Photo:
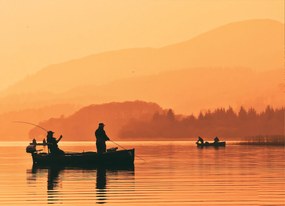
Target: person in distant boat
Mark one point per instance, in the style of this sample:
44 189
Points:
200 140
34 141
52 143
101 139
216 140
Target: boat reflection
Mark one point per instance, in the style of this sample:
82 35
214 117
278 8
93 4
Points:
57 176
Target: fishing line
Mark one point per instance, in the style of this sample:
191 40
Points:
31 124
126 149
47 131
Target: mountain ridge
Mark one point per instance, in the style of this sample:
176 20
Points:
246 43
196 89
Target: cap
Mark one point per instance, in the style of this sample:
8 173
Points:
101 124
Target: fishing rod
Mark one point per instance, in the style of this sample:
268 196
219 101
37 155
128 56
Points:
126 149
31 124
47 131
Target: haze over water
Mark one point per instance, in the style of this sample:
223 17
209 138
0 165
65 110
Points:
173 173
148 70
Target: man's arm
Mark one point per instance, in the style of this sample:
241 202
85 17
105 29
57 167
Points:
59 139
106 137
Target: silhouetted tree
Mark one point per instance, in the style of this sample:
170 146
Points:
220 122
170 115
242 114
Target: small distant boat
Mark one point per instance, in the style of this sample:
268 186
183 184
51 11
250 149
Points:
213 144
110 158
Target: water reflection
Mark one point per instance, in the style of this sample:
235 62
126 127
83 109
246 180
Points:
53 178
58 176
174 173
101 181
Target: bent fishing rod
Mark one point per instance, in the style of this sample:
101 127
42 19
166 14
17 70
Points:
31 124
47 131
126 149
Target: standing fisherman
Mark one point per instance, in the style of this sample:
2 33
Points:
101 139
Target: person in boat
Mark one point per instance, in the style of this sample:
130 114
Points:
34 141
101 139
216 140
52 143
200 140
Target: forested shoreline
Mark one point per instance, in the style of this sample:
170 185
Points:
221 122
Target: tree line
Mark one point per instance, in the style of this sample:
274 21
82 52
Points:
225 123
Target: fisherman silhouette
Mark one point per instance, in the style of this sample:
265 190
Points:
216 140
101 139
200 140
34 141
52 144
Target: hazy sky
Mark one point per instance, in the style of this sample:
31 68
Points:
36 33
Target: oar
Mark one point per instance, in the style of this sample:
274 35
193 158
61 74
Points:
126 149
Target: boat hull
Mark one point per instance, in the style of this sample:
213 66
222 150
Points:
214 144
92 159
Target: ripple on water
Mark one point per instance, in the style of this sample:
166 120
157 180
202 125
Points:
175 174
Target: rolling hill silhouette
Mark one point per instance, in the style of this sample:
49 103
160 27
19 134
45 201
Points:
140 120
192 90
238 64
256 44
186 91
82 124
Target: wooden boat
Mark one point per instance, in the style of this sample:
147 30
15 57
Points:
212 144
110 158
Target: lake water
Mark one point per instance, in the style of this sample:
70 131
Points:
172 173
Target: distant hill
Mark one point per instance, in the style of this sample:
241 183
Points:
256 44
140 120
82 124
239 64
186 91
191 90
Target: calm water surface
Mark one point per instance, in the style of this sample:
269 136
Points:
173 173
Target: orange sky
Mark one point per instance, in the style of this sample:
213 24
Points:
36 33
